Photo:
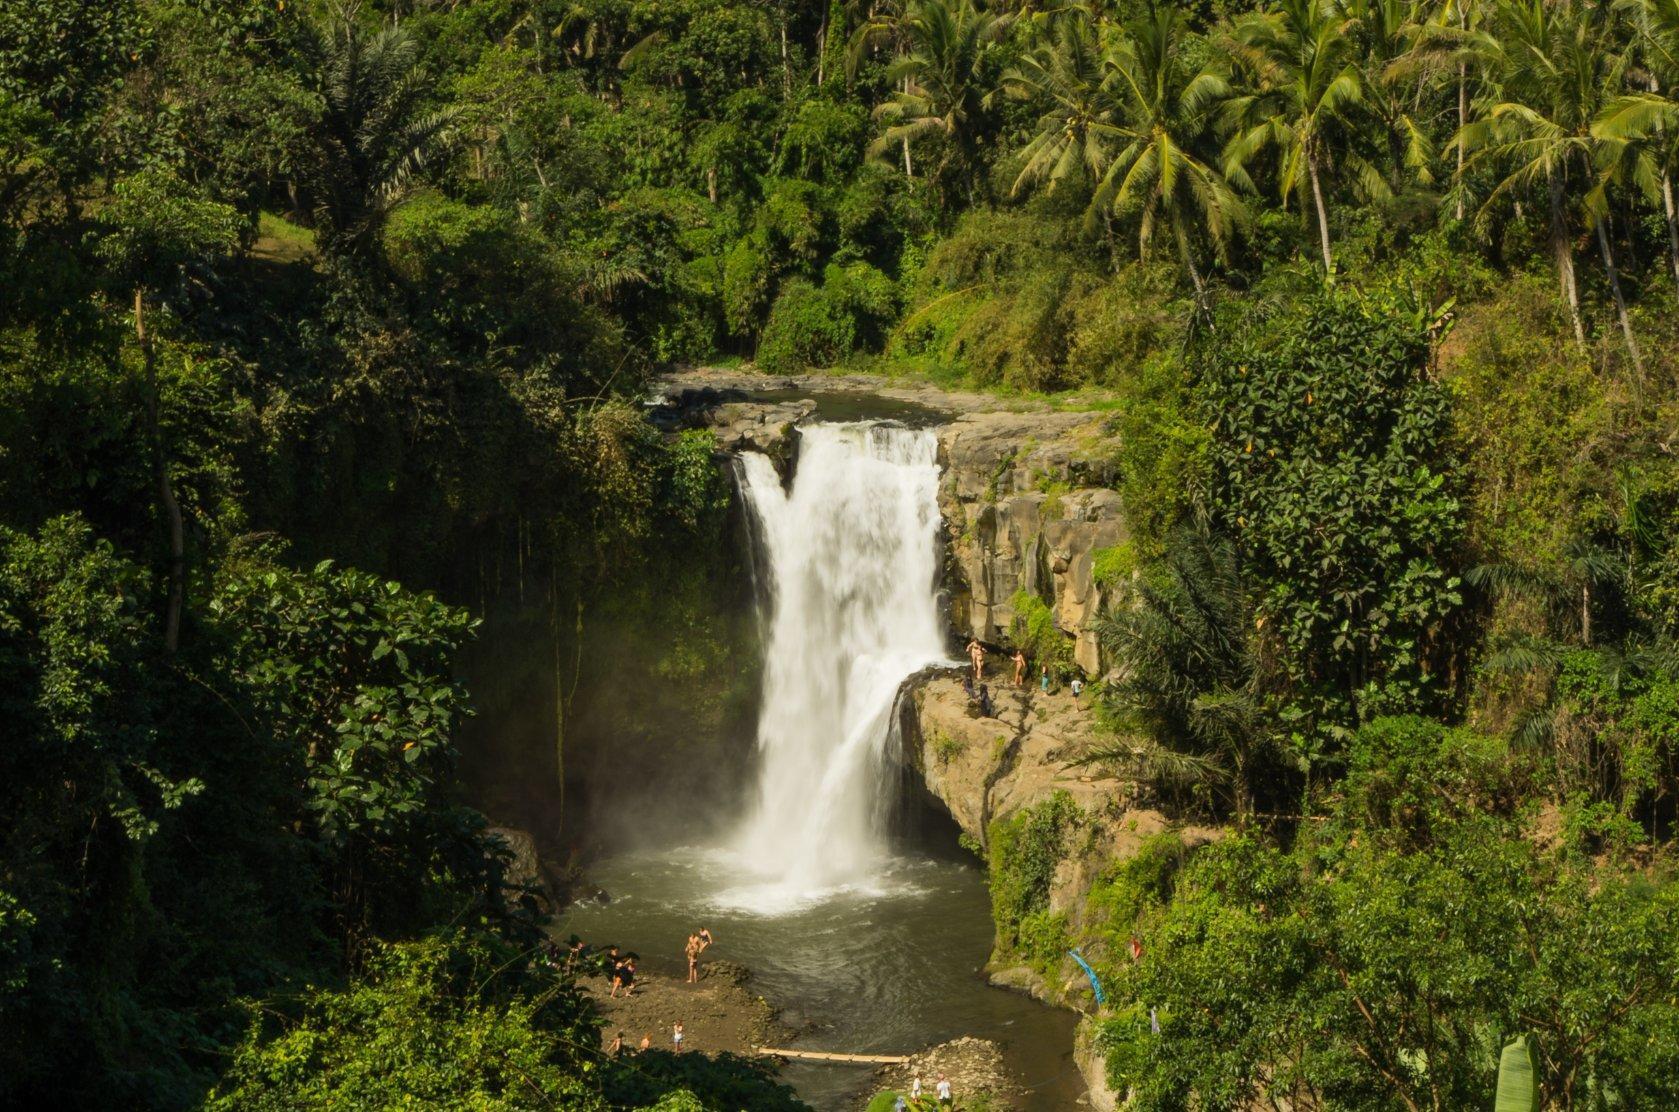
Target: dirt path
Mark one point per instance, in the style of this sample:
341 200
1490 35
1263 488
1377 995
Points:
720 1013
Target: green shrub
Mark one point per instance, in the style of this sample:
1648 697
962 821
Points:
1041 939
1035 631
1114 564
819 326
1025 849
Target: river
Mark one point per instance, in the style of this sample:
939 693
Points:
885 967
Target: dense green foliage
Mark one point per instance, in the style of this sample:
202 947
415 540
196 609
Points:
322 331
1383 961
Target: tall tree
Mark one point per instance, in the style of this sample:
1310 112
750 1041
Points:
1303 96
374 133
1648 119
1129 107
156 226
949 71
1553 68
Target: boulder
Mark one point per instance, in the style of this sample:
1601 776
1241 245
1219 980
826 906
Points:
525 875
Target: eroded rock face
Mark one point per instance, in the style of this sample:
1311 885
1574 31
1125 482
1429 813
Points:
1025 501
986 770
740 423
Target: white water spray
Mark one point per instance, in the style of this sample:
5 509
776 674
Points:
851 558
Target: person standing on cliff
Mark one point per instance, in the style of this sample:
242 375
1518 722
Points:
694 948
976 653
943 1089
1019 667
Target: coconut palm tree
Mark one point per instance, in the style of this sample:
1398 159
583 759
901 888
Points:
1126 112
1443 49
949 80
1553 69
374 133
1304 97
1188 679
1068 73
1648 119
1384 33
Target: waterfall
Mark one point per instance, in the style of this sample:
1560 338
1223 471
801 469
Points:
850 552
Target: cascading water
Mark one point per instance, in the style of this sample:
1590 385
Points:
851 557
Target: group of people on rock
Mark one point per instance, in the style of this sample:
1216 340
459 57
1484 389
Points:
980 692
616 1046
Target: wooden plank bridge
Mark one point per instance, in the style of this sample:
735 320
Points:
832 1056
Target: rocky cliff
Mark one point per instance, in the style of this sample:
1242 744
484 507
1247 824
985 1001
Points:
1026 500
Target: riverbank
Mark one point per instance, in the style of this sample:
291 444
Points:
721 1013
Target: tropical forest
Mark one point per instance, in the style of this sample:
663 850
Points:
491 488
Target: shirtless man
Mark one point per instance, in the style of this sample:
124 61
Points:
693 951
976 653
1019 668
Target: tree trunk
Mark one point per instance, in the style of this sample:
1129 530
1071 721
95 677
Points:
1672 225
1462 120
1564 254
1188 253
909 171
822 48
1323 218
1620 301
786 62
1586 613
165 489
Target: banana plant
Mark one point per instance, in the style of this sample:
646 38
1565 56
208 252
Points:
1518 1076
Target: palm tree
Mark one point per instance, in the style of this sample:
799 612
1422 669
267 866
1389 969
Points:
1649 119
1304 97
1567 593
373 135
1552 69
1068 72
1188 677
948 83
1133 114
1383 34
